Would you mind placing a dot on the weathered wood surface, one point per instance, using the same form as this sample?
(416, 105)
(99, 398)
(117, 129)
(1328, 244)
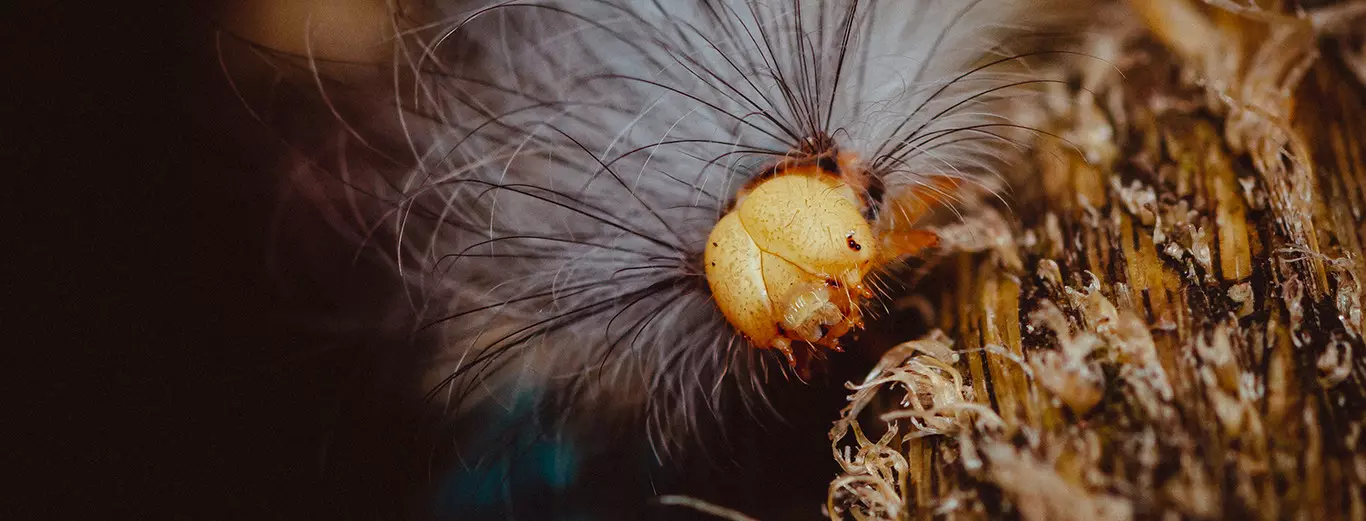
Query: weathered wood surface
(1172, 328)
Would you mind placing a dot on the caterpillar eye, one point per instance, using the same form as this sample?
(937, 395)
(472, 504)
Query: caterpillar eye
(780, 264)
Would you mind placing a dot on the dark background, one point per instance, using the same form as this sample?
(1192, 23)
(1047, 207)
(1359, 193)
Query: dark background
(193, 348)
(188, 364)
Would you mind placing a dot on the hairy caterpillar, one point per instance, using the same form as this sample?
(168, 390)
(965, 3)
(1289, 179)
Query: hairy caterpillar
(567, 183)
(562, 167)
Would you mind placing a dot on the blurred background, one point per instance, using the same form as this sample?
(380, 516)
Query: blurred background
(217, 349)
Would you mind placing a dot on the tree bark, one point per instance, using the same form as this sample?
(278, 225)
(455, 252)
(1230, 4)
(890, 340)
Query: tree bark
(1172, 326)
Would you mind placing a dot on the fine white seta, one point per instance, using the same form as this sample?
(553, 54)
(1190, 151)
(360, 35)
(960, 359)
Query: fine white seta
(639, 211)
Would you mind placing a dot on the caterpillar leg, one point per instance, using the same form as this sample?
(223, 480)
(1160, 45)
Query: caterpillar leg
(903, 210)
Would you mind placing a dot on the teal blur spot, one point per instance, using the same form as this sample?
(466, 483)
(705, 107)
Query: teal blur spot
(526, 466)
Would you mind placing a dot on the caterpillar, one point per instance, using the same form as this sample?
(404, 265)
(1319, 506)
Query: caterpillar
(635, 212)
(573, 189)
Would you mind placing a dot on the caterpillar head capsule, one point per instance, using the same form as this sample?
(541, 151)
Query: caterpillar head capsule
(788, 263)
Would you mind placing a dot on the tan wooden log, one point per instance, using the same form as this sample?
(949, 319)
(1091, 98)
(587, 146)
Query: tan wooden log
(1172, 329)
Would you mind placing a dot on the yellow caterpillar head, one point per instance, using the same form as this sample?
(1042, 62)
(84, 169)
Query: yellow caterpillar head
(788, 262)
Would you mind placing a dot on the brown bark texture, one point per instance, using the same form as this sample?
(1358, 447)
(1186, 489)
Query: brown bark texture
(1169, 323)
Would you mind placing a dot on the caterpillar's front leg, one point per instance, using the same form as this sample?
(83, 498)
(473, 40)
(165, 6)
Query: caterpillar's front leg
(902, 211)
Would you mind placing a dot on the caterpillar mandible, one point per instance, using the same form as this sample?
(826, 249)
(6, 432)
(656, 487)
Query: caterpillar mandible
(640, 210)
